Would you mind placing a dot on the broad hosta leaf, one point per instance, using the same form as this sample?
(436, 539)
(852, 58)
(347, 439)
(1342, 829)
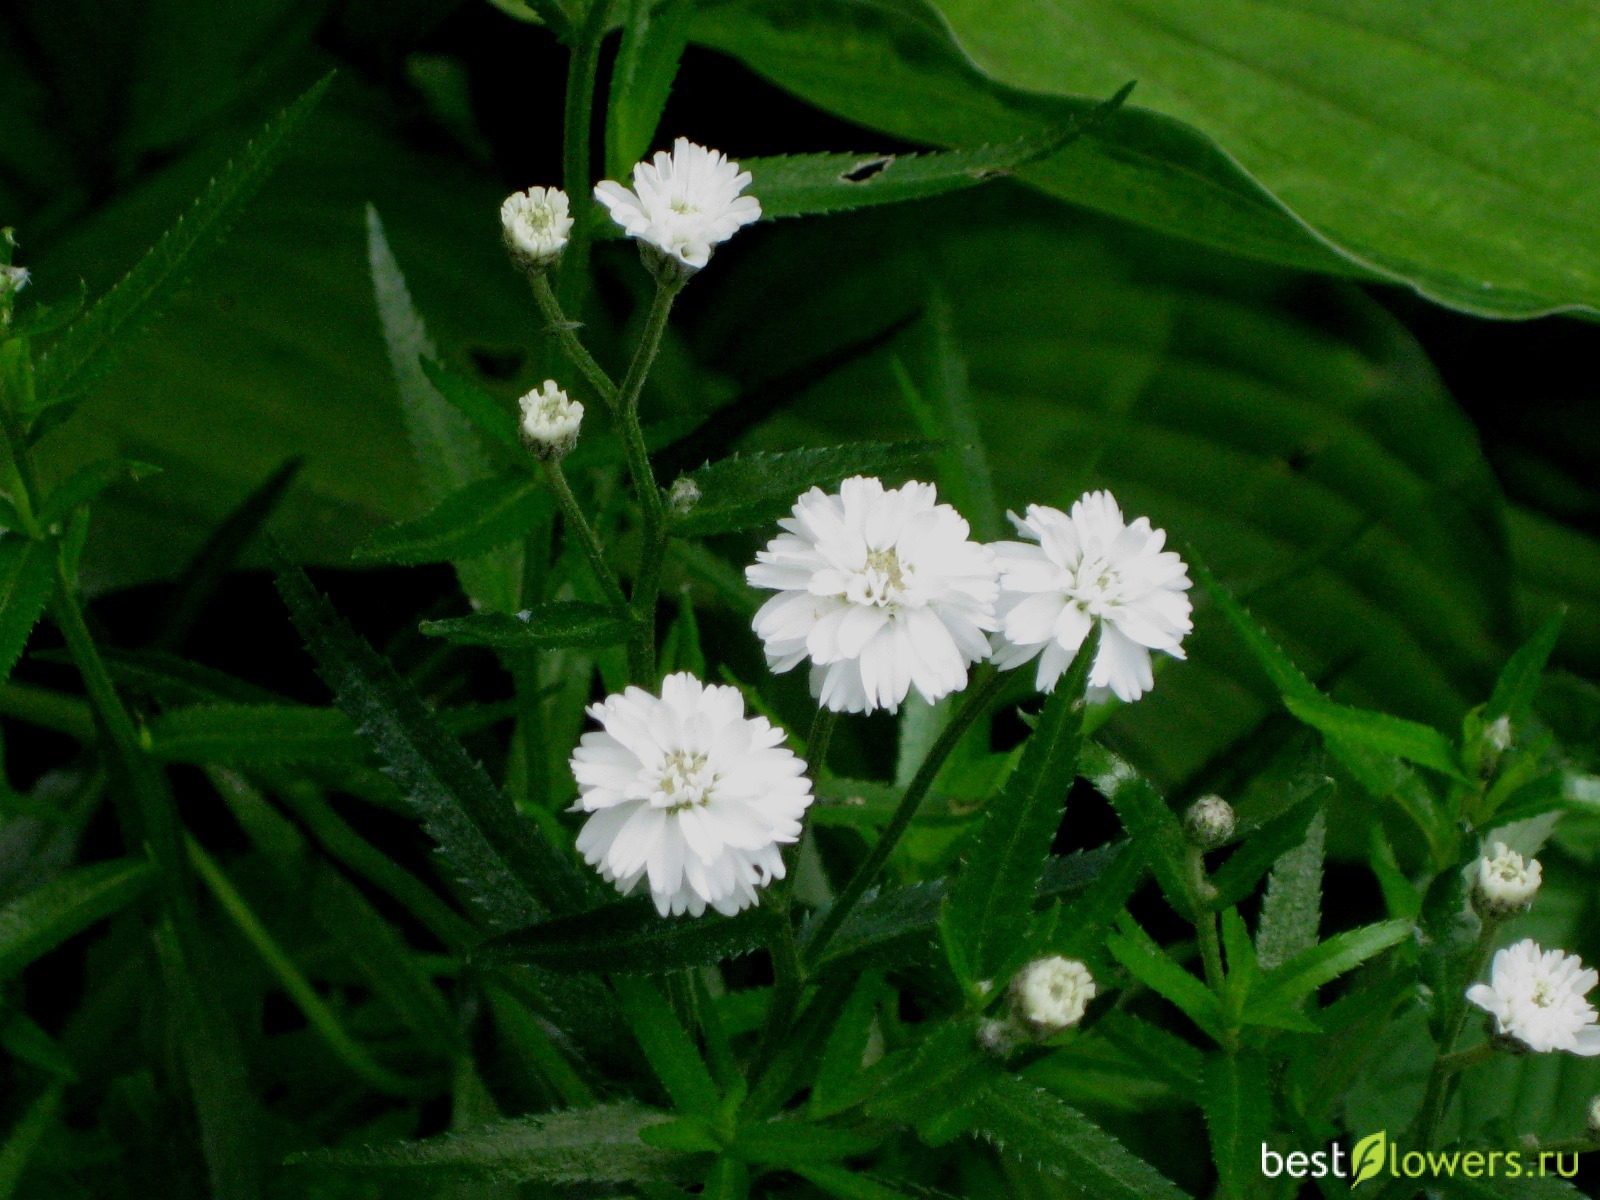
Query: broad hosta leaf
(502, 857)
(752, 489)
(805, 184)
(1282, 427)
(581, 1145)
(36, 923)
(558, 623)
(27, 581)
(86, 350)
(986, 914)
(1039, 1127)
(1237, 1101)
(466, 524)
(1291, 912)
(895, 67)
(630, 937)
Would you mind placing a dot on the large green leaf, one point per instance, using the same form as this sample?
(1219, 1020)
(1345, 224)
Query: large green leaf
(1285, 428)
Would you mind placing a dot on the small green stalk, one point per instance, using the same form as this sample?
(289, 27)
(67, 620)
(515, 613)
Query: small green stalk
(1205, 921)
(576, 155)
(587, 539)
(1436, 1097)
(986, 685)
(566, 334)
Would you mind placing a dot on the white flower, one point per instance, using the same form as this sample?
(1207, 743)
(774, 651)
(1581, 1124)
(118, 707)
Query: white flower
(686, 790)
(881, 589)
(1080, 567)
(683, 203)
(1052, 993)
(536, 225)
(1505, 884)
(13, 279)
(1537, 997)
(550, 420)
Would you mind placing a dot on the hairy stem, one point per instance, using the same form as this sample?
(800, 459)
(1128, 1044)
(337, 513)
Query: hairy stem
(578, 525)
(986, 686)
(576, 155)
(1436, 1097)
(566, 334)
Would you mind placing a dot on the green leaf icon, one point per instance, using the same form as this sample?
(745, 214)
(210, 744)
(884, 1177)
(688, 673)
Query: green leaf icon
(1367, 1159)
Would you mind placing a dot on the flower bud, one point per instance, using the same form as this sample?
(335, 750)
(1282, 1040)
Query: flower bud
(684, 495)
(1051, 994)
(1209, 822)
(536, 224)
(998, 1037)
(1504, 884)
(550, 421)
(1594, 1118)
(12, 280)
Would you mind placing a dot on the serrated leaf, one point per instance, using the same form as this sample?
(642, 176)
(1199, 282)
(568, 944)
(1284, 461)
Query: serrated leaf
(839, 1078)
(806, 184)
(945, 1071)
(504, 859)
(1284, 988)
(987, 911)
(1153, 826)
(654, 34)
(466, 524)
(37, 922)
(583, 1145)
(86, 350)
(1149, 964)
(558, 623)
(1041, 1128)
(630, 937)
(86, 483)
(27, 581)
(1519, 679)
(1164, 1056)
(1237, 877)
(747, 490)
(1237, 1101)
(1291, 911)
(488, 416)
(1379, 733)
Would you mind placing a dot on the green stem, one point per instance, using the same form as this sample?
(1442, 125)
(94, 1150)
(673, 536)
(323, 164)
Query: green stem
(1436, 1096)
(788, 980)
(1205, 921)
(566, 334)
(986, 685)
(817, 741)
(1460, 1060)
(48, 710)
(576, 155)
(580, 528)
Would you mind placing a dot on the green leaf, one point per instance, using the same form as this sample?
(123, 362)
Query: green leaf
(943, 1073)
(1037, 1126)
(654, 33)
(491, 418)
(805, 184)
(35, 923)
(503, 858)
(486, 523)
(786, 1143)
(1492, 212)
(27, 581)
(1284, 988)
(1237, 1101)
(1379, 733)
(557, 623)
(1519, 680)
(467, 523)
(86, 483)
(1237, 877)
(1291, 911)
(987, 911)
(1153, 826)
(748, 490)
(839, 1077)
(1164, 1056)
(87, 350)
(249, 733)
(848, 1184)
(629, 937)
(24, 1137)
(669, 1050)
(1149, 964)
(582, 1145)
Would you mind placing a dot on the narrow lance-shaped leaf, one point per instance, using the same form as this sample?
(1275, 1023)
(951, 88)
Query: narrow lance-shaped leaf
(504, 859)
(548, 626)
(87, 482)
(1518, 683)
(1150, 965)
(1039, 1127)
(987, 910)
(86, 350)
(800, 185)
(1292, 909)
(488, 416)
(747, 490)
(37, 922)
(467, 523)
(669, 1050)
(27, 579)
(583, 1145)
(1238, 876)
(1307, 971)
(629, 937)
(1153, 826)
(653, 37)
(1378, 732)
(1237, 1101)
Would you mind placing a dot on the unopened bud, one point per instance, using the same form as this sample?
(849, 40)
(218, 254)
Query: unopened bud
(550, 421)
(1209, 822)
(1505, 884)
(1594, 1119)
(536, 224)
(684, 495)
(998, 1037)
(1051, 994)
(13, 280)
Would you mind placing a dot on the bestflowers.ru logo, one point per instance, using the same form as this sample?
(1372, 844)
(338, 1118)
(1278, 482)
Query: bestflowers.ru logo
(1376, 1156)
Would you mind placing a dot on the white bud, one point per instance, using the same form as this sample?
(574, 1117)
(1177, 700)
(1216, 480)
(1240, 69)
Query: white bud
(1209, 822)
(12, 280)
(550, 420)
(684, 495)
(536, 224)
(1594, 1118)
(1051, 994)
(1497, 734)
(1506, 883)
(998, 1037)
